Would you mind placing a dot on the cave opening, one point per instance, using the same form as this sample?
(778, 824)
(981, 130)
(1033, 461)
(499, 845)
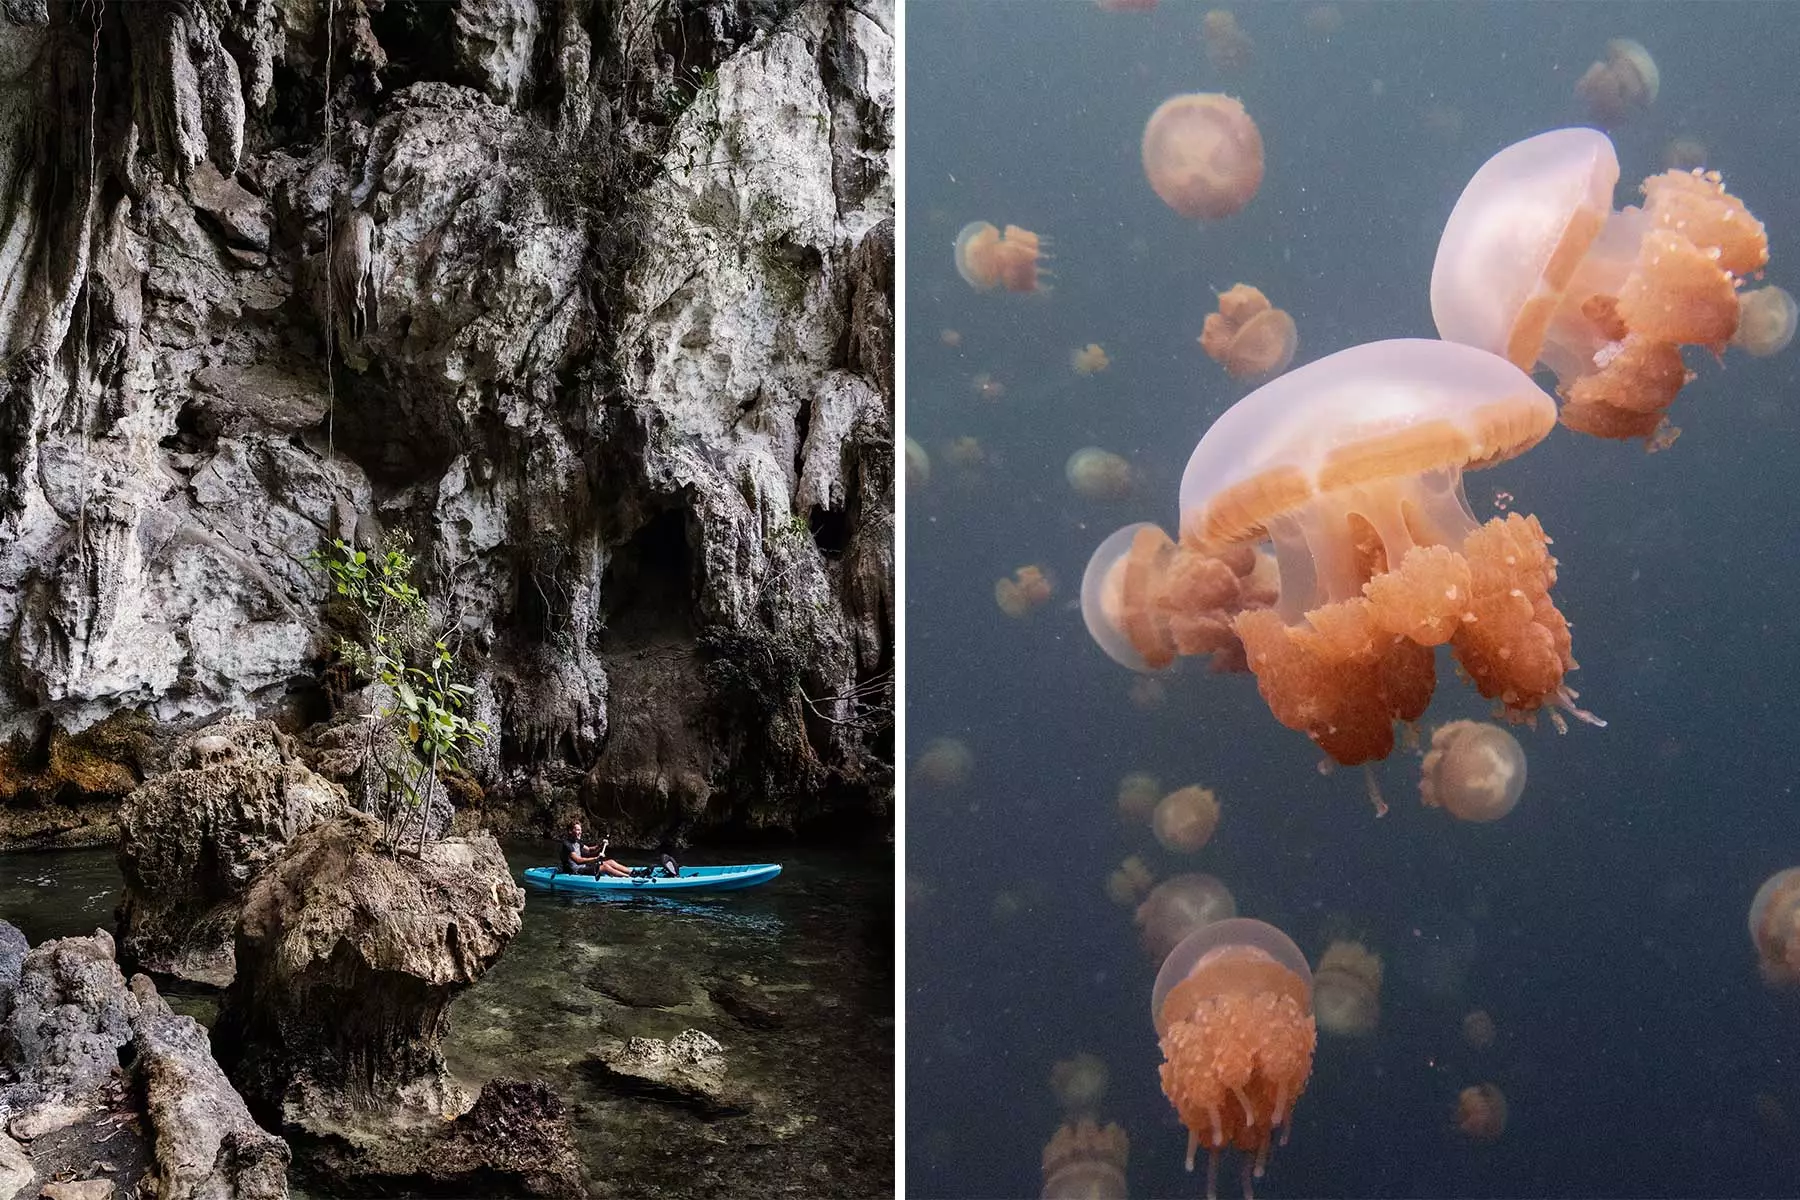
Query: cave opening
(830, 529)
(647, 592)
(416, 37)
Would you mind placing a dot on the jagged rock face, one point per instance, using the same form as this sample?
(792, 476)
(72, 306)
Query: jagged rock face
(71, 1012)
(593, 301)
(347, 960)
(193, 839)
(688, 1070)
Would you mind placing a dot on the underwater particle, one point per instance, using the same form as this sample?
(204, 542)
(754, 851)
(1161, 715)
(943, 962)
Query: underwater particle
(1766, 319)
(1481, 1112)
(1185, 819)
(1203, 155)
(1536, 266)
(988, 258)
(1684, 153)
(1179, 906)
(1228, 47)
(951, 338)
(1028, 590)
(1079, 1084)
(1138, 796)
(1233, 1011)
(1248, 336)
(1145, 600)
(918, 465)
(1621, 84)
(1474, 771)
(1098, 474)
(945, 763)
(1127, 886)
(1478, 1029)
(1775, 928)
(1089, 360)
(1347, 989)
(1086, 1161)
(987, 387)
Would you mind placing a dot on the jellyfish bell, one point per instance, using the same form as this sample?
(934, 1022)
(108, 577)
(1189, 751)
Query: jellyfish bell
(1622, 84)
(1775, 928)
(1535, 265)
(988, 258)
(1481, 1112)
(1127, 886)
(1146, 600)
(1766, 320)
(1474, 771)
(918, 465)
(1028, 590)
(1138, 796)
(1185, 819)
(1352, 466)
(1090, 359)
(1099, 474)
(1232, 1006)
(1248, 336)
(1478, 1029)
(1085, 1160)
(1203, 155)
(1228, 47)
(1180, 906)
(945, 763)
(1079, 1083)
(1347, 989)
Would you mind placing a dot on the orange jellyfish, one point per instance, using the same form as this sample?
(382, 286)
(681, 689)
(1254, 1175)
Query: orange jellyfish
(1089, 360)
(989, 258)
(1086, 1161)
(1228, 47)
(1203, 155)
(1180, 906)
(987, 387)
(1127, 885)
(1478, 1029)
(1352, 466)
(918, 465)
(1623, 84)
(1775, 928)
(1099, 474)
(945, 763)
(1248, 336)
(1138, 796)
(1233, 1011)
(1146, 600)
(1028, 590)
(1347, 989)
(1481, 1112)
(950, 338)
(1184, 820)
(1474, 771)
(1766, 319)
(1535, 265)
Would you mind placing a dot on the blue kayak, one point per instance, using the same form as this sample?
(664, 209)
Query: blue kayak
(691, 879)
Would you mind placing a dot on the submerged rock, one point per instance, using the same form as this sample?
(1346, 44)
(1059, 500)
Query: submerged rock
(688, 1070)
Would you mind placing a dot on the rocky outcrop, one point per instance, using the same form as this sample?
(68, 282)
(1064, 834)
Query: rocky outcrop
(592, 301)
(63, 789)
(688, 1070)
(192, 840)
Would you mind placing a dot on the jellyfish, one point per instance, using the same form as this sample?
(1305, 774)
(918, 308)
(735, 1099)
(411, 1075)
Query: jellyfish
(945, 764)
(1099, 474)
(987, 387)
(1684, 153)
(1228, 47)
(1079, 1084)
(1233, 1012)
(1347, 989)
(1126, 886)
(1766, 319)
(1179, 906)
(1146, 600)
(1478, 1029)
(1203, 155)
(1534, 265)
(1481, 1112)
(1323, 20)
(1775, 928)
(950, 338)
(1147, 692)
(1028, 590)
(1623, 84)
(965, 453)
(1352, 465)
(918, 465)
(1184, 820)
(988, 258)
(1138, 795)
(1089, 360)
(1474, 770)
(1086, 1161)
(1249, 337)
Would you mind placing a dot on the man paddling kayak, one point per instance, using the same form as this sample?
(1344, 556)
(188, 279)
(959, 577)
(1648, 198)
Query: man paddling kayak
(576, 860)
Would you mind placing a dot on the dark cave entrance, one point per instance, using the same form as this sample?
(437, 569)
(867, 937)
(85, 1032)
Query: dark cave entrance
(647, 592)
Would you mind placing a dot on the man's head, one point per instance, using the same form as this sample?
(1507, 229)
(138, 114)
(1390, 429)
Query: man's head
(574, 828)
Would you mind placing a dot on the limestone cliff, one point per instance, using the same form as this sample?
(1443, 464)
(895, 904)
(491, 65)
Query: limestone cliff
(590, 298)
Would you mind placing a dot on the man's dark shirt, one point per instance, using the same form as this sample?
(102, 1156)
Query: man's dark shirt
(571, 847)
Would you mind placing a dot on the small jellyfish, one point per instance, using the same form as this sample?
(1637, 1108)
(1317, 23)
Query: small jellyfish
(945, 763)
(1147, 692)
(1775, 928)
(1099, 474)
(1086, 1161)
(1184, 820)
(1203, 155)
(1478, 1029)
(1474, 771)
(1089, 360)
(1178, 907)
(1028, 590)
(950, 338)
(1684, 153)
(1079, 1084)
(1766, 319)
(1347, 989)
(1228, 47)
(988, 258)
(1323, 20)
(965, 453)
(1536, 266)
(1233, 1011)
(1248, 336)
(1145, 599)
(987, 387)
(918, 465)
(1126, 886)
(1138, 794)
(1481, 1112)
(1623, 84)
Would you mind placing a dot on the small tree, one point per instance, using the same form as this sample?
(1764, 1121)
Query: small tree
(393, 645)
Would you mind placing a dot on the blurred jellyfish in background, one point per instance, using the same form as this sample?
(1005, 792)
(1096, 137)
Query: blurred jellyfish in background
(918, 465)
(1028, 590)
(1080, 1084)
(1323, 20)
(1775, 928)
(1147, 692)
(944, 764)
(1233, 1011)
(1766, 320)
(1481, 1112)
(1138, 796)
(1203, 155)
(1347, 989)
(1684, 153)
(1478, 1029)
(1535, 265)
(1127, 886)
(1085, 1160)
(987, 387)
(1622, 84)
(950, 338)
(1185, 819)
(988, 258)
(1098, 474)
(1125, 5)
(1089, 360)
(1474, 771)
(1249, 337)
(1146, 600)
(1228, 47)
(1436, 953)
(1179, 907)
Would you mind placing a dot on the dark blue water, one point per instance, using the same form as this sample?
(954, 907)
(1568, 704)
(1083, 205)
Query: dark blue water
(1604, 920)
